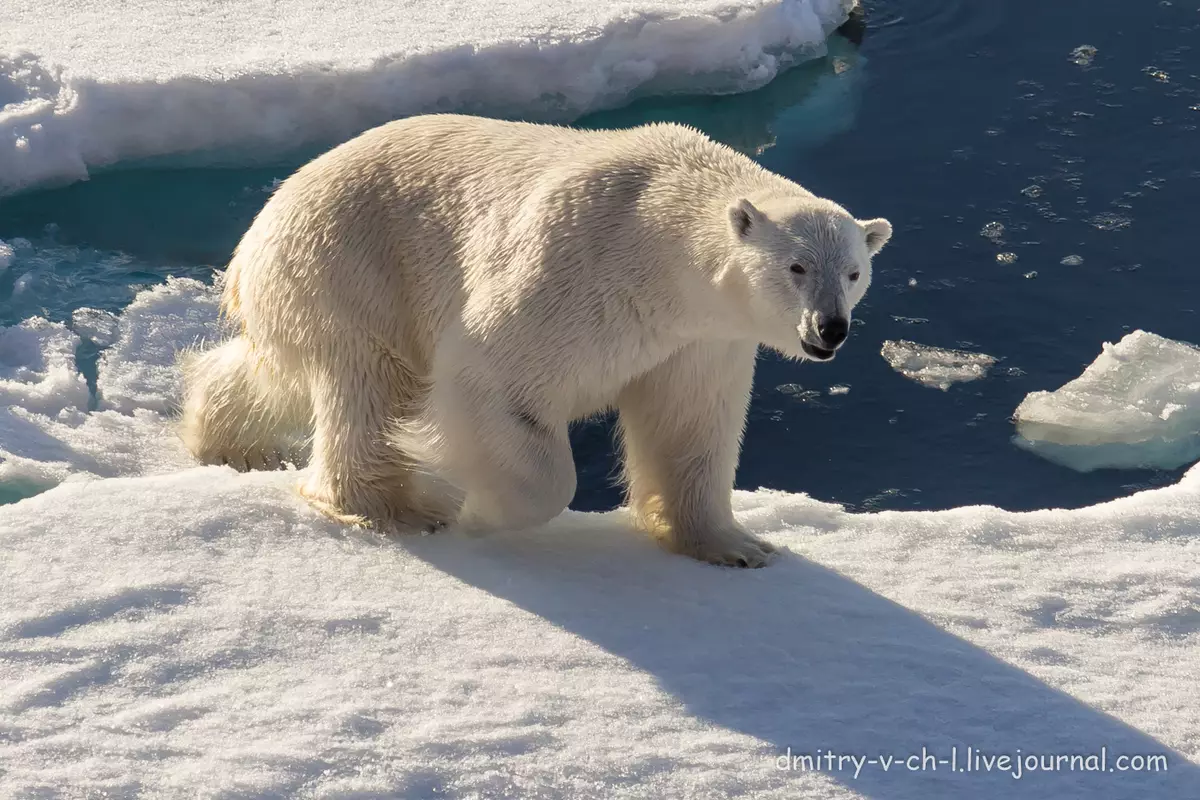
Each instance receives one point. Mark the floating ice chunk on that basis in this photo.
(46, 435)
(7, 254)
(96, 325)
(1083, 55)
(1136, 406)
(935, 366)
(21, 284)
(139, 370)
(37, 367)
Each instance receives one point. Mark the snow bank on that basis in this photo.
(1136, 405)
(205, 634)
(83, 87)
(935, 366)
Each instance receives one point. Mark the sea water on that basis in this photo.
(1036, 160)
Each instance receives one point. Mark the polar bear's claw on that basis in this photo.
(728, 549)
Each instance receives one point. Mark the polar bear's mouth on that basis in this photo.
(816, 353)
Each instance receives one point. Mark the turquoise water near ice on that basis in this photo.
(947, 118)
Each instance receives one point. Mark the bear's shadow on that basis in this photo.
(799, 656)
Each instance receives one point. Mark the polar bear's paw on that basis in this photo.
(727, 548)
(388, 508)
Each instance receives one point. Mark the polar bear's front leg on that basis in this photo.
(682, 429)
(513, 465)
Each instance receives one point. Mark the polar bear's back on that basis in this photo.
(423, 221)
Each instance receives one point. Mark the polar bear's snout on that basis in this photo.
(822, 334)
(832, 330)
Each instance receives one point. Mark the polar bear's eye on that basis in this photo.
(798, 269)
(855, 275)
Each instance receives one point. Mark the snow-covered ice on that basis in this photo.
(83, 87)
(204, 634)
(935, 366)
(98, 326)
(1136, 405)
(171, 630)
(46, 434)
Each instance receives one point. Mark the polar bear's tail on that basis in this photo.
(239, 410)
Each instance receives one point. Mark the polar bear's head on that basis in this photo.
(807, 263)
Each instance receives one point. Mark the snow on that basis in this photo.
(174, 630)
(205, 634)
(46, 436)
(1136, 405)
(98, 326)
(37, 367)
(935, 366)
(82, 87)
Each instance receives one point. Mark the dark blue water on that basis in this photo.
(948, 116)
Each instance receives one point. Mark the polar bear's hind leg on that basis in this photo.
(238, 410)
(357, 475)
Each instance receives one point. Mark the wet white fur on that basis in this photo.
(437, 299)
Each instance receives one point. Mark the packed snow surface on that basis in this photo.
(168, 630)
(1136, 405)
(935, 366)
(82, 86)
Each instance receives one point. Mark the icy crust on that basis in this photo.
(1136, 405)
(935, 366)
(205, 634)
(82, 87)
(47, 435)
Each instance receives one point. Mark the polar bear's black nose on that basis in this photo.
(833, 330)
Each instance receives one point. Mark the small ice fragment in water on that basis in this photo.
(1083, 55)
(1136, 406)
(22, 283)
(1110, 222)
(1031, 275)
(1157, 74)
(993, 231)
(839, 389)
(935, 366)
(1033, 190)
(99, 326)
(912, 281)
(798, 392)
(6, 255)
(910, 320)
(1006, 258)
(1072, 261)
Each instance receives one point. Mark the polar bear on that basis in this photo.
(437, 299)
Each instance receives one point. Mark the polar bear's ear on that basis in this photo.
(743, 216)
(878, 232)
